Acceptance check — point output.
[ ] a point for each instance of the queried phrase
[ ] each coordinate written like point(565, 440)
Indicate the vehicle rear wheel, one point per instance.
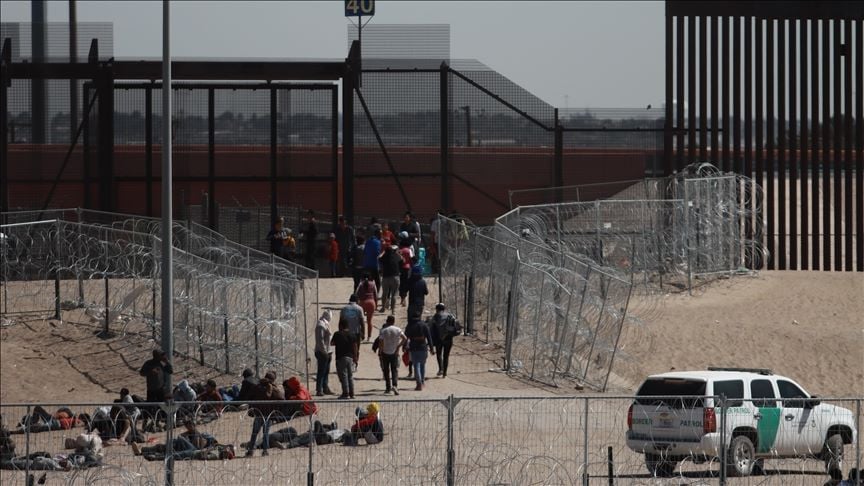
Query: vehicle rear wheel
point(832, 452)
point(741, 457)
point(658, 466)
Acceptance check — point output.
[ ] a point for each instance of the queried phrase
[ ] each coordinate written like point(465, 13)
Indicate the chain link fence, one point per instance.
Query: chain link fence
point(699, 224)
point(555, 315)
point(458, 440)
point(234, 308)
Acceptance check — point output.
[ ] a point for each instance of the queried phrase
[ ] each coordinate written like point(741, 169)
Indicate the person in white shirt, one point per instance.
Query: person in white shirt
point(323, 354)
point(390, 340)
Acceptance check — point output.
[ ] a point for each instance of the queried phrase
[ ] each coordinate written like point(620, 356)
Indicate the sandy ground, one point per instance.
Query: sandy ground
point(806, 325)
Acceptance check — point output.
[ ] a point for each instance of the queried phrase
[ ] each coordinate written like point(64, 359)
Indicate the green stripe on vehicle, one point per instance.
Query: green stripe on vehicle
point(766, 430)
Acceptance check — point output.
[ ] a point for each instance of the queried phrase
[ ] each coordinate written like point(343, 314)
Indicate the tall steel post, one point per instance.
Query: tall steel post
point(167, 240)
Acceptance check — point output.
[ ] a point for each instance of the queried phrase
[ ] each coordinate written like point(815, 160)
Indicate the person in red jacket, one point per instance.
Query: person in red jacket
point(368, 426)
point(294, 390)
point(333, 255)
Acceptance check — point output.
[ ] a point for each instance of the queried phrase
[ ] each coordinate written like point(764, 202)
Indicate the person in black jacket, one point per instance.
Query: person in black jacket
point(310, 235)
point(419, 346)
point(156, 371)
point(390, 267)
point(248, 387)
point(443, 327)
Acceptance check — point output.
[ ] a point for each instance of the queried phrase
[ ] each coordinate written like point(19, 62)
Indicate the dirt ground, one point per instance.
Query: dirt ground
point(806, 325)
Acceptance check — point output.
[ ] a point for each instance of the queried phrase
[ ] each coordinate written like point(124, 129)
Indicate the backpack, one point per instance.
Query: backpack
point(449, 328)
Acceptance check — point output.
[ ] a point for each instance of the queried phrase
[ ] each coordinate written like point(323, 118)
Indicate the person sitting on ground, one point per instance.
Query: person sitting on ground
point(131, 410)
point(229, 393)
point(183, 392)
point(247, 388)
point(294, 390)
point(368, 427)
point(211, 394)
point(263, 413)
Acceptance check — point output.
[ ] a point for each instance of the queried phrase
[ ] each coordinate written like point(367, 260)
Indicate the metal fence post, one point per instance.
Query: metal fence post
point(469, 302)
point(512, 316)
point(255, 321)
point(78, 253)
point(105, 330)
point(599, 250)
point(618, 336)
point(723, 447)
point(537, 321)
point(225, 327)
point(169, 408)
point(687, 205)
point(310, 472)
point(27, 442)
point(858, 428)
point(585, 475)
point(599, 324)
point(57, 272)
point(451, 451)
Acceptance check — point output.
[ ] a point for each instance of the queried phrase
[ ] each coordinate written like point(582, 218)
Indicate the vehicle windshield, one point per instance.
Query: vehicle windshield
point(672, 392)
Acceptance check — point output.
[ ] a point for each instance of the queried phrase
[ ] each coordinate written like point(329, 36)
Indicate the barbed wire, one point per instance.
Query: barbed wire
point(231, 310)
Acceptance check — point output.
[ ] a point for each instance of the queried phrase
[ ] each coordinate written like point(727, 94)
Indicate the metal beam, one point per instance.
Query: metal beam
point(148, 148)
point(212, 218)
point(444, 135)
point(274, 127)
point(190, 70)
point(786, 9)
point(105, 142)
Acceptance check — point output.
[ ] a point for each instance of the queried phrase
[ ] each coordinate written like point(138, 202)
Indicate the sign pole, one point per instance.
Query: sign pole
point(167, 224)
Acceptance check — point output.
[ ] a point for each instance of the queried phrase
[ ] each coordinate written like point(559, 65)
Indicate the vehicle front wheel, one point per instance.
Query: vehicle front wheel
point(741, 457)
point(832, 452)
point(658, 466)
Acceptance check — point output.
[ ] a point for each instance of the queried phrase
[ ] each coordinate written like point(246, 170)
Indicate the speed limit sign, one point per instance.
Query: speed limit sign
point(359, 8)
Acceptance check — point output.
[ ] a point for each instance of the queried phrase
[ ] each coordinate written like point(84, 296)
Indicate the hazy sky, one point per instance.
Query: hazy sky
point(569, 53)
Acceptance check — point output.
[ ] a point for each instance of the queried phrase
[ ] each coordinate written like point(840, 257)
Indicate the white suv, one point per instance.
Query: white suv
point(675, 417)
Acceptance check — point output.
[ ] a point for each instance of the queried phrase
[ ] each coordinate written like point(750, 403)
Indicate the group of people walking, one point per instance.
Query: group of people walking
point(411, 346)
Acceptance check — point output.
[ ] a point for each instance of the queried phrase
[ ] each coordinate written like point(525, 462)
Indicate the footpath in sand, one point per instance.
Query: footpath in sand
point(806, 325)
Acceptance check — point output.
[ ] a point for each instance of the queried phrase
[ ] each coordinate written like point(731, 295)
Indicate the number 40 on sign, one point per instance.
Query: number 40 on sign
point(359, 8)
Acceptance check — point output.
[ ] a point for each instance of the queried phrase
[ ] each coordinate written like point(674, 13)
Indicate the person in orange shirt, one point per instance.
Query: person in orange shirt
point(333, 255)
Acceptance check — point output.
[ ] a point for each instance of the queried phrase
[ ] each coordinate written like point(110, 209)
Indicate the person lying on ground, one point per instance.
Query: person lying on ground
point(368, 427)
point(191, 444)
point(36, 461)
point(288, 437)
point(42, 421)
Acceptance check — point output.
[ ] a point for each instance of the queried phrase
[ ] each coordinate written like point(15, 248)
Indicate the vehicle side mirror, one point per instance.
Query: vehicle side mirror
point(812, 402)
